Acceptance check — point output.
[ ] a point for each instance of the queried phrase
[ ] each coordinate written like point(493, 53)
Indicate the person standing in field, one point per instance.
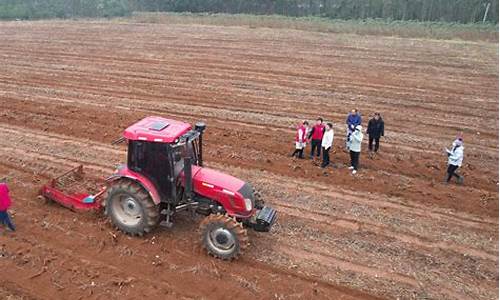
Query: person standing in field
point(327, 144)
point(316, 135)
point(375, 130)
point(355, 148)
point(5, 203)
point(455, 159)
point(353, 120)
point(300, 139)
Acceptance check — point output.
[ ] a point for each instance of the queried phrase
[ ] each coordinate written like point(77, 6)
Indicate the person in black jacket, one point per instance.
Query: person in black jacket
point(375, 131)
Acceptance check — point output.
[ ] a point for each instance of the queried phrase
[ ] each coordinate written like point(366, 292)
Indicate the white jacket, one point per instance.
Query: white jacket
point(327, 141)
point(456, 156)
point(355, 141)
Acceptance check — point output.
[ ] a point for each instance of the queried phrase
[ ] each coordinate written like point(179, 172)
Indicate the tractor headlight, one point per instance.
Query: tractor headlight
point(248, 204)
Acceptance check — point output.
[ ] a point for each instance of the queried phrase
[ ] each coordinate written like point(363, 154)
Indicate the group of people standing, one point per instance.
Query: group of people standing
point(321, 138)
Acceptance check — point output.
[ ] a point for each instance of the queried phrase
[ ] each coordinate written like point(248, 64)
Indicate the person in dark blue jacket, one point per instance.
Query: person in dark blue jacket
point(375, 132)
point(353, 120)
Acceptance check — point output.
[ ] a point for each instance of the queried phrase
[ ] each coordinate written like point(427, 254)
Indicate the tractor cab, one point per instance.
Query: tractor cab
point(158, 149)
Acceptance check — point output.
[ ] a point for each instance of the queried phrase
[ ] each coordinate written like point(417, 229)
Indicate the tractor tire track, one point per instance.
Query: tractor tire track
point(39, 154)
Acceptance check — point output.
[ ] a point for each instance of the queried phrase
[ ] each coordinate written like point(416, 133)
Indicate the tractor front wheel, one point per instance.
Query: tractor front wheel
point(130, 208)
point(223, 237)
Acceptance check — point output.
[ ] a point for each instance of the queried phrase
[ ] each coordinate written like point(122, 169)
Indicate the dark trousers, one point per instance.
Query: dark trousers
point(370, 143)
point(326, 157)
point(5, 219)
point(299, 153)
point(354, 159)
point(451, 172)
point(315, 145)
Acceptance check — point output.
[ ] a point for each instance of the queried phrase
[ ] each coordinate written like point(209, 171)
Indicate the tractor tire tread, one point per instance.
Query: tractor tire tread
point(231, 224)
point(151, 210)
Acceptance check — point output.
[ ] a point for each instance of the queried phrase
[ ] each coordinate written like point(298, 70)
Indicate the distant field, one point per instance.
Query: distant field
point(434, 30)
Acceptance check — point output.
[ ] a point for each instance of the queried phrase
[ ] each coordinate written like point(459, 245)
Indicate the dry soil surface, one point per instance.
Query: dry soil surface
point(67, 89)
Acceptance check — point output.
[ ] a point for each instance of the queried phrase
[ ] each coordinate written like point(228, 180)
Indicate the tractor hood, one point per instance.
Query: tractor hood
point(230, 192)
point(205, 176)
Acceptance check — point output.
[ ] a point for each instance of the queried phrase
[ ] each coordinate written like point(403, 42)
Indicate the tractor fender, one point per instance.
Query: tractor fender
point(143, 181)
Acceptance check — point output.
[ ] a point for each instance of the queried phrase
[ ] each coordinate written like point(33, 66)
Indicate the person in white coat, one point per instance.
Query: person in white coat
point(300, 139)
point(327, 144)
point(455, 158)
point(355, 148)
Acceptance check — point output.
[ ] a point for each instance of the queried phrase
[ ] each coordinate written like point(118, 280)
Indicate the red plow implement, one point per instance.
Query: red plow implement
point(71, 190)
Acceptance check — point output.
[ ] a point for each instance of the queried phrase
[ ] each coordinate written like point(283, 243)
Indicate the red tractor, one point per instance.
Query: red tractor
point(164, 175)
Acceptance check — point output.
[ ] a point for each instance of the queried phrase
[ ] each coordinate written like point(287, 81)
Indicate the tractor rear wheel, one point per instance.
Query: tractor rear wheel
point(223, 237)
point(130, 208)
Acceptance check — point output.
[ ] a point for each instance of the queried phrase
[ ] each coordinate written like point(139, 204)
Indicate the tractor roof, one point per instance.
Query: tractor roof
point(156, 129)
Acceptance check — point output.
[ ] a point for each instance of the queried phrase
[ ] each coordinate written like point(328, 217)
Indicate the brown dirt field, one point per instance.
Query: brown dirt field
point(67, 89)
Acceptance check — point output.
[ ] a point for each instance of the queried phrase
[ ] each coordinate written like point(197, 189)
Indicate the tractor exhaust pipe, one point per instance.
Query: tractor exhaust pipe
point(200, 127)
point(188, 184)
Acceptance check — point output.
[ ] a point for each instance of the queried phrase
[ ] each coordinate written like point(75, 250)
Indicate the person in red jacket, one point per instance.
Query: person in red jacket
point(5, 203)
point(316, 136)
point(300, 139)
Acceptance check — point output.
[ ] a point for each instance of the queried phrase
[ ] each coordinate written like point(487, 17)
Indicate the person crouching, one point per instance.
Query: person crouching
point(300, 139)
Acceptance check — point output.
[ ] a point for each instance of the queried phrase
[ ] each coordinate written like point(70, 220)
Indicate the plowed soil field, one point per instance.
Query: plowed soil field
point(69, 88)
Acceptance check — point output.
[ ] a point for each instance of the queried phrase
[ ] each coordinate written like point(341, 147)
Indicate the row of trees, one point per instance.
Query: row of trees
point(464, 11)
point(44, 9)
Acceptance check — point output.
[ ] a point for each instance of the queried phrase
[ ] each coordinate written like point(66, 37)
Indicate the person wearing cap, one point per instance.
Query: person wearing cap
point(355, 148)
point(455, 158)
point(327, 144)
point(300, 139)
point(5, 203)
point(375, 130)
point(353, 120)
point(316, 135)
